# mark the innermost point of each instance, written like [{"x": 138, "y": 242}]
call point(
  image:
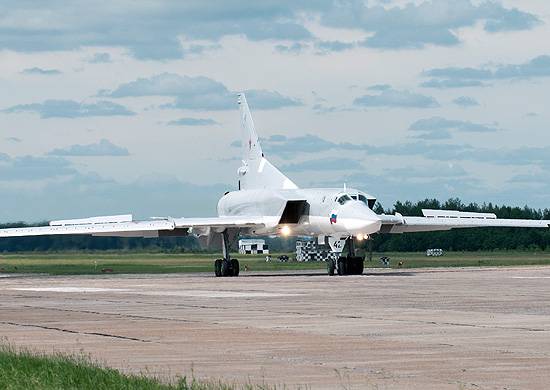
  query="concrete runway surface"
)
[{"x": 388, "y": 329}]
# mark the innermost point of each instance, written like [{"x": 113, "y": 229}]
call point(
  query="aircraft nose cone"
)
[{"x": 357, "y": 218}]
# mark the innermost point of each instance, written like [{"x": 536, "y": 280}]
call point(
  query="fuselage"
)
[{"x": 328, "y": 211}]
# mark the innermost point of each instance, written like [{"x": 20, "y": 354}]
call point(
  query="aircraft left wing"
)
[
  {"x": 438, "y": 220},
  {"x": 125, "y": 226}
]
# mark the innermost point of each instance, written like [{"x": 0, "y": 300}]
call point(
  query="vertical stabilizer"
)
[{"x": 256, "y": 172}]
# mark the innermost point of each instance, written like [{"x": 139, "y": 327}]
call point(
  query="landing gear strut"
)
[
  {"x": 347, "y": 265},
  {"x": 226, "y": 266}
]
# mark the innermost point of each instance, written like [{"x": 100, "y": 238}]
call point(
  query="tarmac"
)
[{"x": 463, "y": 328}]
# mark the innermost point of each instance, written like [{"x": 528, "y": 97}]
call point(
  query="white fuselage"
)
[{"x": 330, "y": 212}]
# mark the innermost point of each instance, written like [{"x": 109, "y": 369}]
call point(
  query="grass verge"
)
[
  {"x": 23, "y": 370},
  {"x": 74, "y": 263}
]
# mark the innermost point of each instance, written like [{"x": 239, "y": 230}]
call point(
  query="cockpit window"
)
[{"x": 343, "y": 199}]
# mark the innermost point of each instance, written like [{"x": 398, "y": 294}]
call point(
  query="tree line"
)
[{"x": 455, "y": 240}]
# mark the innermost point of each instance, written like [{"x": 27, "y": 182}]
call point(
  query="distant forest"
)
[{"x": 455, "y": 240}]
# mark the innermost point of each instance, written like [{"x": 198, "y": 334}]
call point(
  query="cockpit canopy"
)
[{"x": 345, "y": 197}]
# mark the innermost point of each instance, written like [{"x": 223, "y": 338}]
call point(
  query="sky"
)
[{"x": 116, "y": 107}]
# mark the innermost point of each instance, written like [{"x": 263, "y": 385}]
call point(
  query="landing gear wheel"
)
[
  {"x": 218, "y": 267},
  {"x": 342, "y": 266},
  {"x": 226, "y": 268},
  {"x": 234, "y": 267},
  {"x": 331, "y": 267},
  {"x": 358, "y": 265}
]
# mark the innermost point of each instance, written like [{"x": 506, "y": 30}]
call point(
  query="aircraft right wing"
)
[{"x": 438, "y": 220}]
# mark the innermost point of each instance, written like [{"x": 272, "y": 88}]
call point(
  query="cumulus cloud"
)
[
  {"x": 455, "y": 77},
  {"x": 156, "y": 31},
  {"x": 438, "y": 128},
  {"x": 393, "y": 98},
  {"x": 465, "y": 101},
  {"x": 193, "y": 122},
  {"x": 295, "y": 48},
  {"x": 289, "y": 147},
  {"x": 198, "y": 93},
  {"x": 71, "y": 109},
  {"x": 82, "y": 195},
  {"x": 428, "y": 171},
  {"x": 334, "y": 46},
  {"x": 147, "y": 31},
  {"x": 33, "y": 168},
  {"x": 40, "y": 71},
  {"x": 429, "y": 22},
  {"x": 100, "y": 58},
  {"x": 325, "y": 164},
  {"x": 102, "y": 148}
]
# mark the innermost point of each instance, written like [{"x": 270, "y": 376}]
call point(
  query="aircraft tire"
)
[
  {"x": 358, "y": 266},
  {"x": 331, "y": 267},
  {"x": 226, "y": 268},
  {"x": 218, "y": 267},
  {"x": 342, "y": 266},
  {"x": 234, "y": 267}
]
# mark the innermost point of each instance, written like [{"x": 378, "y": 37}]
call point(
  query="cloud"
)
[
  {"x": 100, "y": 58},
  {"x": 148, "y": 31},
  {"x": 333, "y": 46},
  {"x": 379, "y": 87},
  {"x": 392, "y": 98},
  {"x": 446, "y": 83},
  {"x": 465, "y": 102},
  {"x": 102, "y": 148},
  {"x": 426, "y": 23},
  {"x": 193, "y": 122},
  {"x": 433, "y": 135},
  {"x": 455, "y": 77},
  {"x": 198, "y": 93},
  {"x": 289, "y": 147},
  {"x": 260, "y": 99},
  {"x": 13, "y": 139},
  {"x": 33, "y": 168},
  {"x": 40, "y": 71},
  {"x": 71, "y": 109},
  {"x": 427, "y": 171},
  {"x": 435, "y": 125},
  {"x": 323, "y": 164},
  {"x": 84, "y": 195},
  {"x": 156, "y": 31},
  {"x": 295, "y": 48}
]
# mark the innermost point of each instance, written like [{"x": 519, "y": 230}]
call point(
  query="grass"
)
[
  {"x": 22, "y": 370},
  {"x": 69, "y": 263},
  {"x": 132, "y": 263}
]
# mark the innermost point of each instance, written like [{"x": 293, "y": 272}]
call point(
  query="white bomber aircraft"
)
[{"x": 268, "y": 203}]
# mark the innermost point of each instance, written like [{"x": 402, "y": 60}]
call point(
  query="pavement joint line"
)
[
  {"x": 462, "y": 324},
  {"x": 45, "y": 327},
  {"x": 134, "y": 316}
]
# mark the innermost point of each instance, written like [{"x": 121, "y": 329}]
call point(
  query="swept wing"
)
[
  {"x": 125, "y": 226},
  {"x": 437, "y": 220}
]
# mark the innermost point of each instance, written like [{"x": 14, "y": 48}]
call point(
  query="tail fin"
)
[{"x": 256, "y": 172}]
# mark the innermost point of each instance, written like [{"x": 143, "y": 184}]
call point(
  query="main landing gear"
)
[
  {"x": 346, "y": 265},
  {"x": 226, "y": 266}
]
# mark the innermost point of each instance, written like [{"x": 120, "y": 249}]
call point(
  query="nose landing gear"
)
[{"x": 347, "y": 265}]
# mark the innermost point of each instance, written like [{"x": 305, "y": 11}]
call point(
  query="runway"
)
[{"x": 389, "y": 329}]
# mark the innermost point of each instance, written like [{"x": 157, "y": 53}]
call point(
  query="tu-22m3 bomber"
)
[{"x": 268, "y": 203}]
